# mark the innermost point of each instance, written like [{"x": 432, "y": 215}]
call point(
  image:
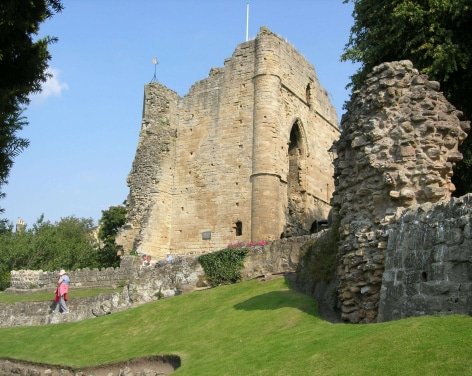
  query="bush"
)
[
  {"x": 223, "y": 267},
  {"x": 4, "y": 279}
]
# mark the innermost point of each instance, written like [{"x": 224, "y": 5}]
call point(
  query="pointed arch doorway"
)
[{"x": 296, "y": 181}]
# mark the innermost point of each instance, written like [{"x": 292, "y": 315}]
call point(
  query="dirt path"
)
[{"x": 149, "y": 366}]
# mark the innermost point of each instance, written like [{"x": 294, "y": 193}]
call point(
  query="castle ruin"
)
[
  {"x": 242, "y": 157},
  {"x": 397, "y": 151}
]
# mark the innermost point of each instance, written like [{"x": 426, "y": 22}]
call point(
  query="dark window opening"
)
[
  {"x": 294, "y": 138},
  {"x": 308, "y": 95},
  {"x": 239, "y": 228},
  {"x": 424, "y": 276},
  {"x": 318, "y": 225}
]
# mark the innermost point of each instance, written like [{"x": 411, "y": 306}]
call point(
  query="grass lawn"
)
[
  {"x": 42, "y": 296},
  {"x": 251, "y": 328}
]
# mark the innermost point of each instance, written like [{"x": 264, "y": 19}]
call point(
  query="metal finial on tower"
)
[
  {"x": 155, "y": 62},
  {"x": 247, "y": 21}
]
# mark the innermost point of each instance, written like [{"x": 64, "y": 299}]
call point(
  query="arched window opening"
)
[
  {"x": 294, "y": 138},
  {"x": 294, "y": 155},
  {"x": 296, "y": 192}
]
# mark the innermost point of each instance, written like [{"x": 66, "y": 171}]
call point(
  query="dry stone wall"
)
[
  {"x": 81, "y": 278},
  {"x": 398, "y": 147},
  {"x": 243, "y": 156}
]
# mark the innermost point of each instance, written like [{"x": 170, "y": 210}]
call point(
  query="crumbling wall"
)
[
  {"x": 398, "y": 147},
  {"x": 151, "y": 177},
  {"x": 82, "y": 278},
  {"x": 141, "y": 283},
  {"x": 428, "y": 262}
]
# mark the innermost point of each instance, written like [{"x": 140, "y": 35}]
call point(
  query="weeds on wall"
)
[{"x": 223, "y": 267}]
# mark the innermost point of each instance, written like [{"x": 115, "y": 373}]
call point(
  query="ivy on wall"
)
[{"x": 223, "y": 267}]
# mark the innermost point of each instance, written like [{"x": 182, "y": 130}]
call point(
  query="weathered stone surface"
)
[
  {"x": 398, "y": 147},
  {"x": 243, "y": 156},
  {"x": 428, "y": 262}
]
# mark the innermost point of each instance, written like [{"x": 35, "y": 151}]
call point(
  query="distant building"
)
[{"x": 20, "y": 225}]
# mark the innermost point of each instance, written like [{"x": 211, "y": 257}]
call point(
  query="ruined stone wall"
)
[
  {"x": 81, "y": 278},
  {"x": 141, "y": 283},
  {"x": 151, "y": 177},
  {"x": 217, "y": 161},
  {"x": 399, "y": 143},
  {"x": 428, "y": 262}
]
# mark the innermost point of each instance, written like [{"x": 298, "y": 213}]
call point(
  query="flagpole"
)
[{"x": 247, "y": 21}]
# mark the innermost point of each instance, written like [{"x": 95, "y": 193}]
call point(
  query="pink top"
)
[{"x": 63, "y": 285}]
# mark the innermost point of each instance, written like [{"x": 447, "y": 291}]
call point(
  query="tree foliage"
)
[
  {"x": 71, "y": 243},
  {"x": 112, "y": 220},
  {"x": 68, "y": 243},
  {"x": 23, "y": 64},
  {"x": 436, "y": 35}
]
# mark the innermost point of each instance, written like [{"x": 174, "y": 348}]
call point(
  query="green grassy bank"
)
[
  {"x": 42, "y": 296},
  {"x": 251, "y": 328}
]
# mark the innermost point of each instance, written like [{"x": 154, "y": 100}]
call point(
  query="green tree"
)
[
  {"x": 23, "y": 64},
  {"x": 68, "y": 243},
  {"x": 436, "y": 35},
  {"x": 112, "y": 220}
]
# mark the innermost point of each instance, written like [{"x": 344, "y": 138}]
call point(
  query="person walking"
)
[{"x": 61, "y": 292}]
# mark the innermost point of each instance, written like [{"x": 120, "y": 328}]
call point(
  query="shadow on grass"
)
[{"x": 280, "y": 299}]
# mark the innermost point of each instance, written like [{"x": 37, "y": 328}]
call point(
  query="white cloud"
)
[{"x": 53, "y": 87}]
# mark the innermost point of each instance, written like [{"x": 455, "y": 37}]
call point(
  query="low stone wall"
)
[
  {"x": 143, "y": 284},
  {"x": 428, "y": 262},
  {"x": 146, "y": 285},
  {"x": 107, "y": 277}
]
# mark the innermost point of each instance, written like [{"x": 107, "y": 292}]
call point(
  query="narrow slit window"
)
[
  {"x": 239, "y": 228},
  {"x": 308, "y": 95}
]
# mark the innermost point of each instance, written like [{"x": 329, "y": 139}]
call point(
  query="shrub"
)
[
  {"x": 223, "y": 267},
  {"x": 4, "y": 279}
]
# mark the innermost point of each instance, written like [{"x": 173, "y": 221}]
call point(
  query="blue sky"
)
[{"x": 84, "y": 126}]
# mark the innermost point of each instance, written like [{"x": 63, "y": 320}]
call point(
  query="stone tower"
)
[{"x": 242, "y": 157}]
